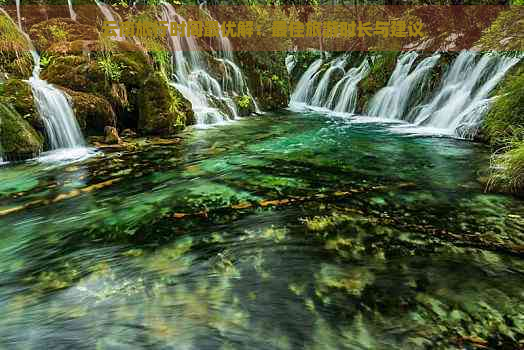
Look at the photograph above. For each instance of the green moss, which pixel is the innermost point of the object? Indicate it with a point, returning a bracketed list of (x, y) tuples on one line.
[(503, 35), (18, 94), (162, 109), (49, 35), (267, 77), (504, 122), (17, 138), (15, 57), (378, 77)]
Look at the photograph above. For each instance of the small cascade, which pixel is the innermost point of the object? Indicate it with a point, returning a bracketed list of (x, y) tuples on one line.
[(393, 101), (321, 92), (313, 88), (290, 63), (54, 108), (304, 89), (343, 96), (232, 80), (191, 77), (18, 17), (72, 12), (462, 99)]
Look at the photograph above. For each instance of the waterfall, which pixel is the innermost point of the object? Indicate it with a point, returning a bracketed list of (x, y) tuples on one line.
[(462, 99), (305, 85), (322, 89), (393, 101), (192, 79), (290, 63), (53, 106), (19, 21), (72, 12), (343, 95)]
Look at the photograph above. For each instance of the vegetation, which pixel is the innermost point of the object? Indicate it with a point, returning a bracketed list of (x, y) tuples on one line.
[(504, 129)]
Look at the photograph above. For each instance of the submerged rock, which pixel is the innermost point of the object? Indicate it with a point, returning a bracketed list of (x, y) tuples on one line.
[(18, 139)]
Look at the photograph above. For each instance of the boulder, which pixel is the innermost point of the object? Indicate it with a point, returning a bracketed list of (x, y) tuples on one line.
[(18, 140), (162, 109)]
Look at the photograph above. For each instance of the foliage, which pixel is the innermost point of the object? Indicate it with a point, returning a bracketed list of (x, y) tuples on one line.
[(244, 102), (111, 69), (504, 122), (45, 60), (508, 170), (503, 35), (504, 127), (57, 33)]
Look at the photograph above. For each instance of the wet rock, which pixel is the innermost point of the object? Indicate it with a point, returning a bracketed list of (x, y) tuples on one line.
[(162, 109), (111, 136), (128, 133), (92, 112), (18, 94), (18, 139)]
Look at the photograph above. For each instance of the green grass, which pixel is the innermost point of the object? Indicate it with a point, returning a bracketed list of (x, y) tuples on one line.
[(507, 170)]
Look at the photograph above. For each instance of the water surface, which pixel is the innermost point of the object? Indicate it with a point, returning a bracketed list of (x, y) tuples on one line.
[(287, 231)]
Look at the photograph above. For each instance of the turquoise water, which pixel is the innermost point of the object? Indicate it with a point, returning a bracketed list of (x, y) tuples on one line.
[(287, 231)]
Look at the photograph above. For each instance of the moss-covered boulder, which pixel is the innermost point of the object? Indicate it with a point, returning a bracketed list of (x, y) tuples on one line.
[(18, 94), (267, 77), (504, 122), (381, 69), (18, 140), (162, 109), (15, 57), (92, 112), (56, 31)]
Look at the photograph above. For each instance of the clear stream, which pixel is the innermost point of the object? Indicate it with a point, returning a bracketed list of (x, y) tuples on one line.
[(287, 231)]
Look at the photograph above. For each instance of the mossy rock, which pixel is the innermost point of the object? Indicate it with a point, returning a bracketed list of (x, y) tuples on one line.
[(378, 77), (245, 105), (75, 72), (60, 30), (18, 139), (162, 109), (15, 57), (19, 95), (92, 112), (267, 77)]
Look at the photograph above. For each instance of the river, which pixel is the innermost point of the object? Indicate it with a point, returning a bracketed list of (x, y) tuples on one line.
[(284, 231)]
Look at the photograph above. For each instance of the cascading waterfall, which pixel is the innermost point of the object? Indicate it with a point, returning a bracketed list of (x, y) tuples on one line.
[(305, 85), (290, 63), (462, 99), (53, 106), (393, 101), (343, 95), (321, 92), (192, 79)]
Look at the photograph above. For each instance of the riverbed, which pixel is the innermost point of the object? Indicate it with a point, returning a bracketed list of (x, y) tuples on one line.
[(283, 231)]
